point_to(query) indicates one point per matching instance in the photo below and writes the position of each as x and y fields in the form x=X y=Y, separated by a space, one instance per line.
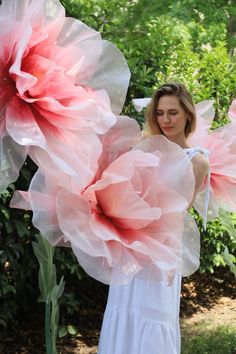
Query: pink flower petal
x=65 y=154
x=112 y=74
x=21 y=124
x=232 y=111
x=12 y=158
x=205 y=114
x=173 y=161
x=120 y=138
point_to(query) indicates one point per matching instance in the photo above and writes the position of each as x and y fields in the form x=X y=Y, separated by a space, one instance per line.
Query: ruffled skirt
x=142 y=317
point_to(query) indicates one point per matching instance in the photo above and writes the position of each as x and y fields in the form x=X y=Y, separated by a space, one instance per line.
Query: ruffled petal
x=41 y=199
x=100 y=269
x=225 y=191
x=140 y=103
x=120 y=138
x=232 y=111
x=21 y=124
x=190 y=246
x=20 y=200
x=173 y=162
x=74 y=223
x=74 y=153
x=12 y=157
x=205 y=114
x=113 y=75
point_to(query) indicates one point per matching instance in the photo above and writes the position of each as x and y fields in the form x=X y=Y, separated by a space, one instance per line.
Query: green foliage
x=17 y=266
x=209 y=341
x=218 y=242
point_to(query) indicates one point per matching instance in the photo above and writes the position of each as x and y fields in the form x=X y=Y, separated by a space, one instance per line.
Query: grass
x=200 y=339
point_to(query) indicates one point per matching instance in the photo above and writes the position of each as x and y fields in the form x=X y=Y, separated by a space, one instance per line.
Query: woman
x=142 y=317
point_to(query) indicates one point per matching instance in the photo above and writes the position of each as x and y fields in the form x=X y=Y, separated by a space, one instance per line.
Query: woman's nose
x=166 y=117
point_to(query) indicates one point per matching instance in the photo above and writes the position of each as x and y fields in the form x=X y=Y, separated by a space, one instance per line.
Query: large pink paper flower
x=56 y=76
x=131 y=215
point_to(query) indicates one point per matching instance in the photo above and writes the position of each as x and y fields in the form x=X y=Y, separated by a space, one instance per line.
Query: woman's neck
x=181 y=141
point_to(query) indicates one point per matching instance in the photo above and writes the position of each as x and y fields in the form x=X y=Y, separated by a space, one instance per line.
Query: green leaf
x=62 y=331
x=72 y=330
x=21 y=228
x=6 y=213
x=230 y=260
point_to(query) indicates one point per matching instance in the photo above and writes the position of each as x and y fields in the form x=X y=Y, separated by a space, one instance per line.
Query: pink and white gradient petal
x=65 y=155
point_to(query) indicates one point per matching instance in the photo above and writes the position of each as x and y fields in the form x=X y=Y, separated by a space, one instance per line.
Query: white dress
x=142 y=317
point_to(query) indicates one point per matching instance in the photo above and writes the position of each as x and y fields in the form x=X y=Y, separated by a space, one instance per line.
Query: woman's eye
x=173 y=113
x=159 y=113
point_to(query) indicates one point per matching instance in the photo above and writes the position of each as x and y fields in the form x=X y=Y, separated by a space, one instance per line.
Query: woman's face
x=171 y=117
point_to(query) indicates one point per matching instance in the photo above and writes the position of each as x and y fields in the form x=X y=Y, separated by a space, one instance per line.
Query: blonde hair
x=151 y=126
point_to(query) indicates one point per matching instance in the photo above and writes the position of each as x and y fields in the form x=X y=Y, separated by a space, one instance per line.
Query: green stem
x=47 y=328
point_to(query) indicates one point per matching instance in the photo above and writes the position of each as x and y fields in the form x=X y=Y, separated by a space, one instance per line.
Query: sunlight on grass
x=198 y=339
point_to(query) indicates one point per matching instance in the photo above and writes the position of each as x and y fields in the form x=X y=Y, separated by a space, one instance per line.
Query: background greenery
x=192 y=41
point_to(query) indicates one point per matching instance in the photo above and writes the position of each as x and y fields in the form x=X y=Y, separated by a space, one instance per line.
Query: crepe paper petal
x=20 y=200
x=171 y=152
x=12 y=157
x=228 y=131
x=42 y=203
x=100 y=269
x=120 y=138
x=190 y=246
x=225 y=192
x=140 y=103
x=65 y=154
x=112 y=74
x=232 y=111
x=21 y=124
x=213 y=205
x=205 y=114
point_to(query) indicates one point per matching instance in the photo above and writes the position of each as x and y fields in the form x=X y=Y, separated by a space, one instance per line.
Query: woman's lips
x=167 y=128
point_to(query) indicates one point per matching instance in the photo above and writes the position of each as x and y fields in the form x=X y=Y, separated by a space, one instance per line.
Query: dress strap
x=191 y=153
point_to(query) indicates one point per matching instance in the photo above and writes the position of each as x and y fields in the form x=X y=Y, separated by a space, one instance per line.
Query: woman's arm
x=200 y=169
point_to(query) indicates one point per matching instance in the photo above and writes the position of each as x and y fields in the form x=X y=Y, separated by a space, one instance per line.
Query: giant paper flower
x=60 y=85
x=130 y=216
